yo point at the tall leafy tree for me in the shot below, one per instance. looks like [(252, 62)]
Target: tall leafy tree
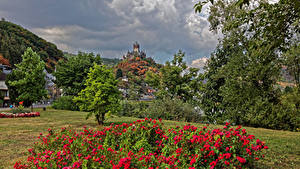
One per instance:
[(101, 95), (211, 98), (29, 78), (176, 79), (243, 70), (71, 74), (248, 92)]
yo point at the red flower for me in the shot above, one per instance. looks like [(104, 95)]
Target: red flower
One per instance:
[(192, 161), (213, 164), (241, 160)]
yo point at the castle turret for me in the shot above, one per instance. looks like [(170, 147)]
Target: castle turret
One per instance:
[(136, 47)]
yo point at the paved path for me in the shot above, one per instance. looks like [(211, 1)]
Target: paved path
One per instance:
[(35, 106)]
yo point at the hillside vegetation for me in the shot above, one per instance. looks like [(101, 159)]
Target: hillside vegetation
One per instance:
[(14, 40)]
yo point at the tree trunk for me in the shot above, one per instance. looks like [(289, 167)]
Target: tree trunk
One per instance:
[(100, 119), (31, 108)]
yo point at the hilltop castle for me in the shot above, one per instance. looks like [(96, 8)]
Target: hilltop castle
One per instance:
[(135, 53)]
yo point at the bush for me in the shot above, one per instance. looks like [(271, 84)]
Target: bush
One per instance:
[(173, 109), (165, 108), (145, 144), (134, 108), (284, 115), (287, 115), (19, 109), (65, 103), (281, 114)]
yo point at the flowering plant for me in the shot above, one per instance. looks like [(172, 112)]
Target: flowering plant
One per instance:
[(146, 144), (13, 115)]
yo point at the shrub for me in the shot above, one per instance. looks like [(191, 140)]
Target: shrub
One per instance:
[(165, 108), (173, 109), (65, 103), (287, 115), (19, 109), (134, 108), (145, 144)]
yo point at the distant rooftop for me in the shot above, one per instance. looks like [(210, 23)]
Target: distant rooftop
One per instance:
[(4, 61)]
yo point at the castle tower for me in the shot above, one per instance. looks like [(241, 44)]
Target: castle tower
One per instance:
[(136, 47)]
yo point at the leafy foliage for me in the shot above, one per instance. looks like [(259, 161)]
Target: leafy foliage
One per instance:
[(65, 103), (14, 40), (242, 73), (71, 74), (175, 79), (119, 73), (29, 78), (111, 61), (292, 61), (19, 109), (173, 109), (101, 94), (137, 66), (133, 108), (164, 108)]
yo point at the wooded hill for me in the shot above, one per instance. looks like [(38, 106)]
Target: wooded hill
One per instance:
[(107, 61), (14, 40)]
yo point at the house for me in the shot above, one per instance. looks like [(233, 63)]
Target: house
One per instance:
[(4, 94), (5, 69)]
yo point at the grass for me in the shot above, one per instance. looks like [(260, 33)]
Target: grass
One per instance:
[(17, 135)]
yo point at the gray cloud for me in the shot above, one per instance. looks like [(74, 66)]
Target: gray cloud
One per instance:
[(109, 27)]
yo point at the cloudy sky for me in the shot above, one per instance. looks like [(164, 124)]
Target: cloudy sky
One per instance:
[(110, 27)]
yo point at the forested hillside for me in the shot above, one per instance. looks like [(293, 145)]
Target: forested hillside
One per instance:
[(14, 40), (106, 61)]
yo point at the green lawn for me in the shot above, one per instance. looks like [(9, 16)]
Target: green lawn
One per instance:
[(17, 135)]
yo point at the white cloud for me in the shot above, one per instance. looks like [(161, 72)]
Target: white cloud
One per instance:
[(163, 10), (273, 1), (199, 63)]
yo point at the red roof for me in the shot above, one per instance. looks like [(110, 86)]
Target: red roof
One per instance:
[(4, 61)]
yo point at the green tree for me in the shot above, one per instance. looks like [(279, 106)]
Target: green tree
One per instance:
[(176, 80), (101, 95), (211, 98), (71, 74), (248, 92), (29, 78), (242, 72), (119, 73), (292, 61)]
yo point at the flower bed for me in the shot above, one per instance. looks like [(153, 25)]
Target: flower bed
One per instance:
[(146, 144), (11, 115)]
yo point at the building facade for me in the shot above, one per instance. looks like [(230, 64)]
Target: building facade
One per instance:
[(5, 69)]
